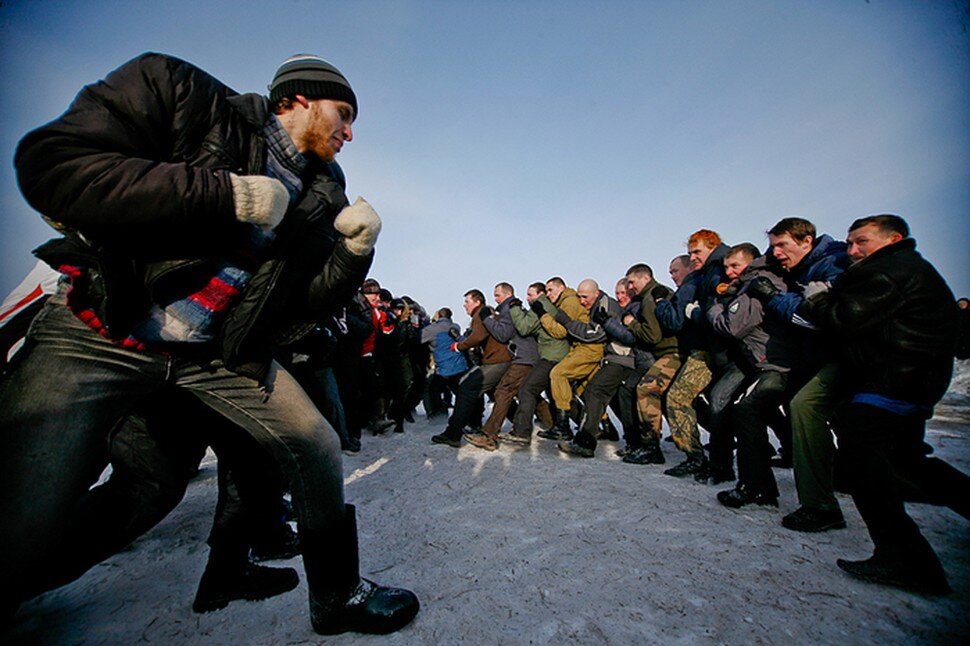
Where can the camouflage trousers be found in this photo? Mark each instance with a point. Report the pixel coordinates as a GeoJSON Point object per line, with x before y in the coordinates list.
{"type": "Point", "coordinates": [694, 376]}
{"type": "Point", "coordinates": [650, 390]}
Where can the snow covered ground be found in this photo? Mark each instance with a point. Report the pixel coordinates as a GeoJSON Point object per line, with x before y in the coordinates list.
{"type": "Point", "coordinates": [527, 546]}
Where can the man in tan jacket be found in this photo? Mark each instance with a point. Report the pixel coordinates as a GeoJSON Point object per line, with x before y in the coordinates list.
{"type": "Point", "coordinates": [583, 359]}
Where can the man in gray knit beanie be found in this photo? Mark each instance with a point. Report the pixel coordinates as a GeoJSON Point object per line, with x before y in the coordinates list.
{"type": "Point", "coordinates": [236, 215]}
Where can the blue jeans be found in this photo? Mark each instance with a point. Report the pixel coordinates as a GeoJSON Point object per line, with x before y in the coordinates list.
{"type": "Point", "coordinates": [60, 404]}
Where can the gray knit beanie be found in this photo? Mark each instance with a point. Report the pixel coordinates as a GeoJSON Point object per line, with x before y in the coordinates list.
{"type": "Point", "coordinates": [312, 77]}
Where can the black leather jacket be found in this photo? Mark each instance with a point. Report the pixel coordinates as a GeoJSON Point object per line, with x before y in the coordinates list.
{"type": "Point", "coordinates": [895, 320]}
{"type": "Point", "coordinates": [136, 172]}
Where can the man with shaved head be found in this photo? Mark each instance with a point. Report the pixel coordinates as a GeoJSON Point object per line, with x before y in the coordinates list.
{"type": "Point", "coordinates": [604, 327]}
{"type": "Point", "coordinates": [584, 355]}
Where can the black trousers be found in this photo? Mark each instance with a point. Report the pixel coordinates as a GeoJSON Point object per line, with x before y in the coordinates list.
{"type": "Point", "coordinates": [475, 383]}
{"type": "Point", "coordinates": [154, 454]}
{"type": "Point", "coordinates": [889, 463]}
{"type": "Point", "coordinates": [718, 417]}
{"type": "Point", "coordinates": [749, 419]}
{"type": "Point", "coordinates": [624, 404]}
{"type": "Point", "coordinates": [598, 393]}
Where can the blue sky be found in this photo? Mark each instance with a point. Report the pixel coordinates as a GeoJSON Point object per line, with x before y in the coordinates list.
{"type": "Point", "coordinates": [514, 141]}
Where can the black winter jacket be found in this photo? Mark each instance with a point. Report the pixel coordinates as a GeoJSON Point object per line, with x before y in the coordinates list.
{"type": "Point", "coordinates": [896, 322]}
{"type": "Point", "coordinates": [137, 172]}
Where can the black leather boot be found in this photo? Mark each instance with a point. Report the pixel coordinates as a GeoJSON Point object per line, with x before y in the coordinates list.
{"type": "Point", "coordinates": [231, 577]}
{"type": "Point", "coordinates": [648, 453]}
{"type": "Point", "coordinates": [561, 430]}
{"type": "Point", "coordinates": [340, 600]}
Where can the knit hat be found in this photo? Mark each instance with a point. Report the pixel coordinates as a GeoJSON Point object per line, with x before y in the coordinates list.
{"type": "Point", "coordinates": [312, 77]}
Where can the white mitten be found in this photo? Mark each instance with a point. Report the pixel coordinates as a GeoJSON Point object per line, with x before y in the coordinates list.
{"type": "Point", "coordinates": [360, 225]}
{"type": "Point", "coordinates": [259, 200]}
{"type": "Point", "coordinates": [815, 287]}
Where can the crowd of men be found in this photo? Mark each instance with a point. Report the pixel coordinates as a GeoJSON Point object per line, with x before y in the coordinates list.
{"type": "Point", "coordinates": [210, 289]}
{"type": "Point", "coordinates": [826, 343]}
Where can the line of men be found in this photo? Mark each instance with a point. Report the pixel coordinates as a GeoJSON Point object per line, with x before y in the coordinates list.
{"type": "Point", "coordinates": [814, 336]}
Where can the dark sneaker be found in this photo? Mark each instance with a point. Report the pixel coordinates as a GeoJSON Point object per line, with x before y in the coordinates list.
{"type": "Point", "coordinates": [575, 449]}
{"type": "Point", "coordinates": [644, 455]}
{"type": "Point", "coordinates": [444, 438]}
{"type": "Point", "coordinates": [692, 466]}
{"type": "Point", "coordinates": [512, 438]}
{"type": "Point", "coordinates": [482, 441]}
{"type": "Point", "coordinates": [807, 519]}
{"type": "Point", "coordinates": [625, 451]}
{"type": "Point", "coordinates": [927, 578]}
{"type": "Point", "coordinates": [556, 434]}
{"type": "Point", "coordinates": [251, 582]}
{"type": "Point", "coordinates": [352, 445]}
{"type": "Point", "coordinates": [741, 496]}
{"type": "Point", "coordinates": [368, 608]}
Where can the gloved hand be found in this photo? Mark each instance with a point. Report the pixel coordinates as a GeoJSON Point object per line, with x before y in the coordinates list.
{"type": "Point", "coordinates": [659, 292]}
{"type": "Point", "coordinates": [484, 312]}
{"type": "Point", "coordinates": [690, 308]}
{"type": "Point", "coordinates": [816, 287]}
{"type": "Point", "coordinates": [515, 303]}
{"type": "Point", "coordinates": [259, 200]}
{"type": "Point", "coordinates": [454, 347]}
{"type": "Point", "coordinates": [454, 333]}
{"type": "Point", "coordinates": [360, 226]}
{"type": "Point", "coordinates": [762, 289]}
{"type": "Point", "coordinates": [537, 307]}
{"type": "Point", "coordinates": [599, 316]}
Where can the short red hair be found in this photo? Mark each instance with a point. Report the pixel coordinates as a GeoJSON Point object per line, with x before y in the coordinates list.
{"type": "Point", "coordinates": [709, 238]}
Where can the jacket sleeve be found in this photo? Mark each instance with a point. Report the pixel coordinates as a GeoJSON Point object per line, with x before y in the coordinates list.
{"type": "Point", "coordinates": [548, 321]}
{"type": "Point", "coordinates": [616, 330]}
{"type": "Point", "coordinates": [645, 327]}
{"type": "Point", "coordinates": [429, 332]}
{"type": "Point", "coordinates": [854, 306]}
{"type": "Point", "coordinates": [477, 337]}
{"type": "Point", "coordinates": [582, 331]}
{"type": "Point", "coordinates": [500, 327]}
{"type": "Point", "coordinates": [785, 305]}
{"type": "Point", "coordinates": [335, 285]}
{"type": "Point", "coordinates": [737, 318]}
{"type": "Point", "coordinates": [671, 313]}
{"type": "Point", "coordinates": [525, 321]}
{"type": "Point", "coordinates": [110, 164]}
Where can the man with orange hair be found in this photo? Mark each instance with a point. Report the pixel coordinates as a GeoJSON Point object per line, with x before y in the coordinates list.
{"type": "Point", "coordinates": [702, 352]}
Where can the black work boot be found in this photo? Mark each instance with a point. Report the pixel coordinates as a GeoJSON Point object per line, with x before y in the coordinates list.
{"type": "Point", "coordinates": [340, 600]}
{"type": "Point", "coordinates": [561, 430]}
{"type": "Point", "coordinates": [743, 495]}
{"type": "Point", "coordinates": [608, 431]}
{"type": "Point", "coordinates": [228, 580]}
{"type": "Point", "coordinates": [583, 445]}
{"type": "Point", "coordinates": [916, 569]}
{"type": "Point", "coordinates": [809, 519]}
{"type": "Point", "coordinates": [647, 453]}
{"type": "Point", "coordinates": [695, 465]}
